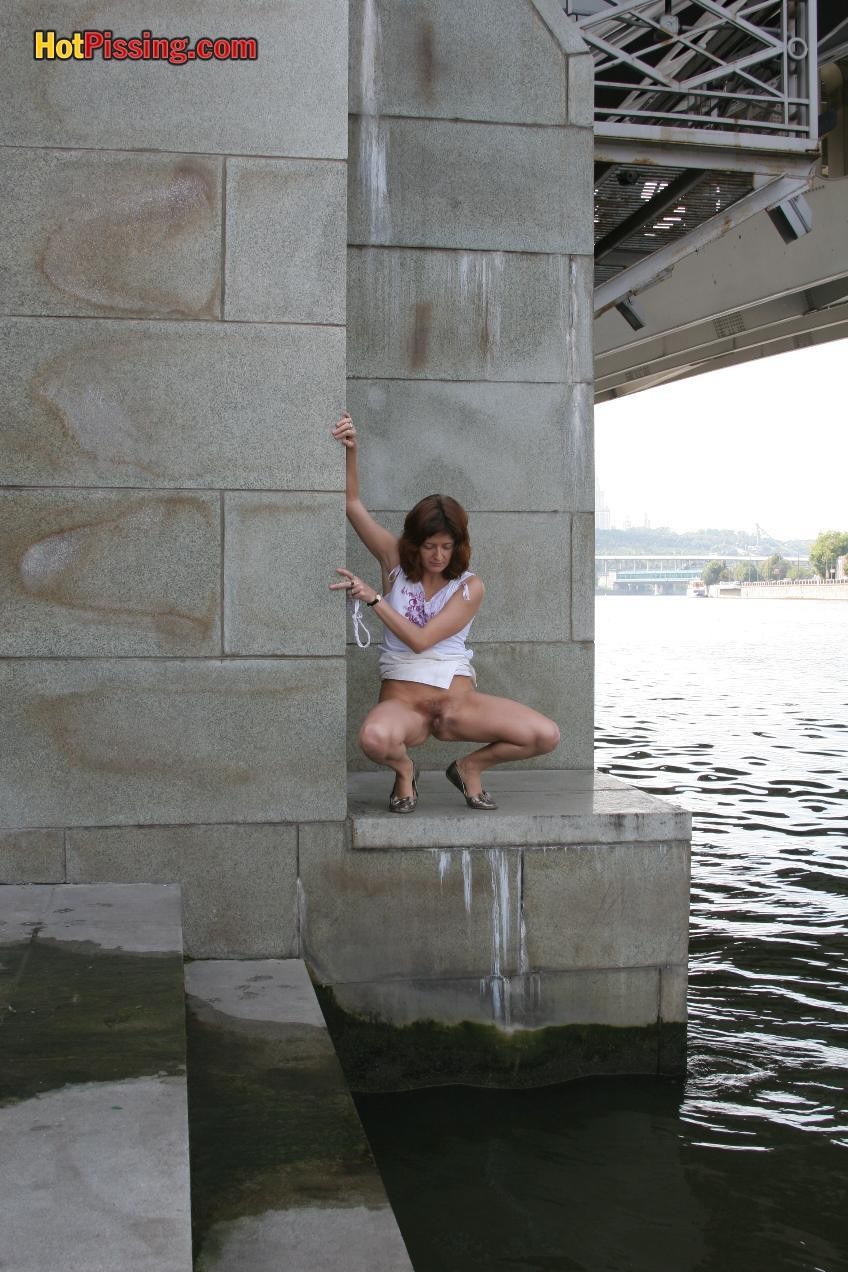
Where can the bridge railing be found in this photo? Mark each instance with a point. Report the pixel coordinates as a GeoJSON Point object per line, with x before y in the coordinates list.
{"type": "Point", "coordinates": [742, 69]}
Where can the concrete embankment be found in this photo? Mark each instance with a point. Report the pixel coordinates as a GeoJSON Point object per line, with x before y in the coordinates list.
{"type": "Point", "coordinates": [796, 590]}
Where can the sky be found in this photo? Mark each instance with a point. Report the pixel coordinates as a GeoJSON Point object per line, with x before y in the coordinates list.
{"type": "Point", "coordinates": [763, 442]}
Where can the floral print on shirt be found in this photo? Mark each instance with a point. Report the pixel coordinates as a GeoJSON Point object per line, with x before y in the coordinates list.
{"type": "Point", "coordinates": [414, 606]}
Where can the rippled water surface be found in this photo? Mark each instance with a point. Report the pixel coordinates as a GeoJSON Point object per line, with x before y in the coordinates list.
{"type": "Point", "coordinates": [739, 711]}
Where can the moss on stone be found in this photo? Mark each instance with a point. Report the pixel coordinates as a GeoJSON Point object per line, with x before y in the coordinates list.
{"type": "Point", "coordinates": [78, 1013]}
{"type": "Point", "coordinates": [272, 1124]}
{"type": "Point", "coordinates": [377, 1056]}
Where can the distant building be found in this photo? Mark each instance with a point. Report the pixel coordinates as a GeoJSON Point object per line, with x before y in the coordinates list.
{"type": "Point", "coordinates": [603, 516]}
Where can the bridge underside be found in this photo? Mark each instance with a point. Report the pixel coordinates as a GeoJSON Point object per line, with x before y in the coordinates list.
{"type": "Point", "coordinates": [745, 296]}
{"type": "Point", "coordinates": [708, 115]}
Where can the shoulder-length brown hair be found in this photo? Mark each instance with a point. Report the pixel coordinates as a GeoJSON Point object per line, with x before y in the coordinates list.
{"type": "Point", "coordinates": [435, 514]}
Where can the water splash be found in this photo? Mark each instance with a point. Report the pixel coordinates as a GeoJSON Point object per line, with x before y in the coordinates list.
{"type": "Point", "coordinates": [373, 143]}
{"type": "Point", "coordinates": [466, 879]}
{"type": "Point", "coordinates": [301, 914]}
{"type": "Point", "coordinates": [501, 910]}
{"type": "Point", "coordinates": [444, 865]}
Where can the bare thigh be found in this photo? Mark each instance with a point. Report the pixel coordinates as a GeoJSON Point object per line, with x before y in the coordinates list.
{"type": "Point", "coordinates": [393, 723]}
{"type": "Point", "coordinates": [480, 717]}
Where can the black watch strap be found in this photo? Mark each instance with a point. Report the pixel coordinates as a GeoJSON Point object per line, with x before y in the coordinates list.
{"type": "Point", "coordinates": [377, 598]}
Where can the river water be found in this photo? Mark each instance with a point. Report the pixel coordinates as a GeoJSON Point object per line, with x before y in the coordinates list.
{"type": "Point", "coordinates": [737, 710]}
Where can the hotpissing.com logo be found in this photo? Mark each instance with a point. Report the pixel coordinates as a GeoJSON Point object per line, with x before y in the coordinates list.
{"type": "Point", "coordinates": [84, 46]}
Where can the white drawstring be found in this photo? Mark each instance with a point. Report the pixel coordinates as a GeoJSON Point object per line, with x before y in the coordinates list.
{"type": "Point", "coordinates": [358, 624]}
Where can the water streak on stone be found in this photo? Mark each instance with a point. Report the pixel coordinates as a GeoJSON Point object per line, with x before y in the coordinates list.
{"type": "Point", "coordinates": [466, 879]}
{"type": "Point", "coordinates": [373, 143]}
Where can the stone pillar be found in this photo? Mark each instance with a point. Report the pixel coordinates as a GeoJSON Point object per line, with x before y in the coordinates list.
{"type": "Point", "coordinates": [469, 334]}
{"type": "Point", "coordinates": [173, 312]}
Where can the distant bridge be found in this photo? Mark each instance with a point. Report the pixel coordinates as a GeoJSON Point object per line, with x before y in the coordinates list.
{"type": "Point", "coordinates": [663, 573]}
{"type": "Point", "coordinates": [680, 560]}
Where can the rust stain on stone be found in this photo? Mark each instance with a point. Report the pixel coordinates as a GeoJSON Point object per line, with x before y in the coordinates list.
{"type": "Point", "coordinates": [53, 567]}
{"type": "Point", "coordinates": [427, 60]}
{"type": "Point", "coordinates": [127, 250]}
{"type": "Point", "coordinates": [421, 334]}
{"type": "Point", "coordinates": [97, 424]}
{"type": "Point", "coordinates": [141, 742]}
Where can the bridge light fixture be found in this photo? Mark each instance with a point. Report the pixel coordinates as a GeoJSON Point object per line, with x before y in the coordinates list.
{"type": "Point", "coordinates": [631, 315]}
{"type": "Point", "coordinates": [792, 219]}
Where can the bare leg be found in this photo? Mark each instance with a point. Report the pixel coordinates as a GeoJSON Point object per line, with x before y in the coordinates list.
{"type": "Point", "coordinates": [510, 730]}
{"type": "Point", "coordinates": [387, 731]}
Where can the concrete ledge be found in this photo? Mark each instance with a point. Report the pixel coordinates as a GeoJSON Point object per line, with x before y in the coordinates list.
{"type": "Point", "coordinates": [538, 809]}
{"type": "Point", "coordinates": [283, 1175]}
{"type": "Point", "coordinates": [94, 1170]}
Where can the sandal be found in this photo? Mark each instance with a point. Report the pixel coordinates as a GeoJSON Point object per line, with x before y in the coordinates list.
{"type": "Point", "coordinates": [482, 802]}
{"type": "Point", "coordinates": [405, 803]}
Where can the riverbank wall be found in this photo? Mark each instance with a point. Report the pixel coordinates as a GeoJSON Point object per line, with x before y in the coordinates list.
{"type": "Point", "coordinates": [796, 590]}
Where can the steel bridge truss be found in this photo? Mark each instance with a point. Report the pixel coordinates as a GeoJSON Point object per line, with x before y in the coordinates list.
{"type": "Point", "coordinates": [706, 112]}
{"type": "Point", "coordinates": [719, 73]}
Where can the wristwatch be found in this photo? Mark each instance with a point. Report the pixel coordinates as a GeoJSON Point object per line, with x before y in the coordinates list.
{"type": "Point", "coordinates": [377, 598]}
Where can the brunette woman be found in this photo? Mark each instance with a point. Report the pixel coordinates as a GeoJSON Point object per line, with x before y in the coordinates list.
{"type": "Point", "coordinates": [427, 604]}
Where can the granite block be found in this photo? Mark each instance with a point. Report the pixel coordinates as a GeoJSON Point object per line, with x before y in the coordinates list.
{"type": "Point", "coordinates": [136, 741]}
{"type": "Point", "coordinates": [238, 883]}
{"type": "Point", "coordinates": [470, 185]}
{"type": "Point", "coordinates": [581, 90]}
{"type": "Point", "coordinates": [271, 990]}
{"type": "Point", "coordinates": [625, 997]}
{"type": "Point", "coordinates": [427, 314]}
{"type": "Point", "coordinates": [291, 99]}
{"type": "Point", "coordinates": [582, 576]}
{"type": "Point", "coordinates": [128, 403]}
{"type": "Point", "coordinates": [537, 810]}
{"type": "Point", "coordinates": [580, 335]}
{"type": "Point", "coordinates": [286, 240]}
{"type": "Point", "coordinates": [88, 232]}
{"type": "Point", "coordinates": [484, 59]}
{"type": "Point", "coordinates": [673, 989]}
{"type": "Point", "coordinates": [32, 856]}
{"type": "Point", "coordinates": [369, 916]}
{"type": "Point", "coordinates": [579, 439]}
{"type": "Point", "coordinates": [107, 572]}
{"type": "Point", "coordinates": [507, 448]}
{"type": "Point", "coordinates": [280, 556]}
{"type": "Point", "coordinates": [607, 905]}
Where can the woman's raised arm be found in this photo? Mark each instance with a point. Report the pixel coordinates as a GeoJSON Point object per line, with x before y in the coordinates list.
{"type": "Point", "coordinates": [379, 541]}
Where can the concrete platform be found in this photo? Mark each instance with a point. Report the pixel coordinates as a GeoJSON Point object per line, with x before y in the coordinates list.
{"type": "Point", "coordinates": [538, 808]}
{"type": "Point", "coordinates": [283, 1176]}
{"type": "Point", "coordinates": [93, 1126]}
{"type": "Point", "coordinates": [543, 941]}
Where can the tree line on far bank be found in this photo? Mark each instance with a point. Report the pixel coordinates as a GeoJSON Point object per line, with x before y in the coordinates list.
{"type": "Point", "coordinates": [824, 552]}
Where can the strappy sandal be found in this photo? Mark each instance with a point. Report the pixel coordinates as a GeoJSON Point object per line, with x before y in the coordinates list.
{"type": "Point", "coordinates": [482, 802]}
{"type": "Point", "coordinates": [405, 803]}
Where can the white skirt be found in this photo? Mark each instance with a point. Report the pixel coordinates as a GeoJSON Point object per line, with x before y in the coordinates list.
{"type": "Point", "coordinates": [425, 669]}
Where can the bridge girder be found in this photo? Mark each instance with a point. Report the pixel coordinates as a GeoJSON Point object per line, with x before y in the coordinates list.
{"type": "Point", "coordinates": [743, 296]}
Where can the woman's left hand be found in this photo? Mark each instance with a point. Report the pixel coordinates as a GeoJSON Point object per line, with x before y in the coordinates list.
{"type": "Point", "coordinates": [354, 587]}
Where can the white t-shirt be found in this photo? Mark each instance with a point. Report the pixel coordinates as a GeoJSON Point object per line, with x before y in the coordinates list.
{"type": "Point", "coordinates": [407, 599]}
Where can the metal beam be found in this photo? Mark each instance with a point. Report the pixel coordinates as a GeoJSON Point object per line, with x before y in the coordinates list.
{"type": "Point", "coordinates": [647, 212]}
{"type": "Point", "coordinates": [780, 336]}
{"type": "Point", "coordinates": [654, 145]}
{"type": "Point", "coordinates": [732, 278]}
{"type": "Point", "coordinates": [633, 280]}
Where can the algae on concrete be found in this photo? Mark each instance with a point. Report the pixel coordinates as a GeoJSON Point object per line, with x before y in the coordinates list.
{"type": "Point", "coordinates": [377, 1056]}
